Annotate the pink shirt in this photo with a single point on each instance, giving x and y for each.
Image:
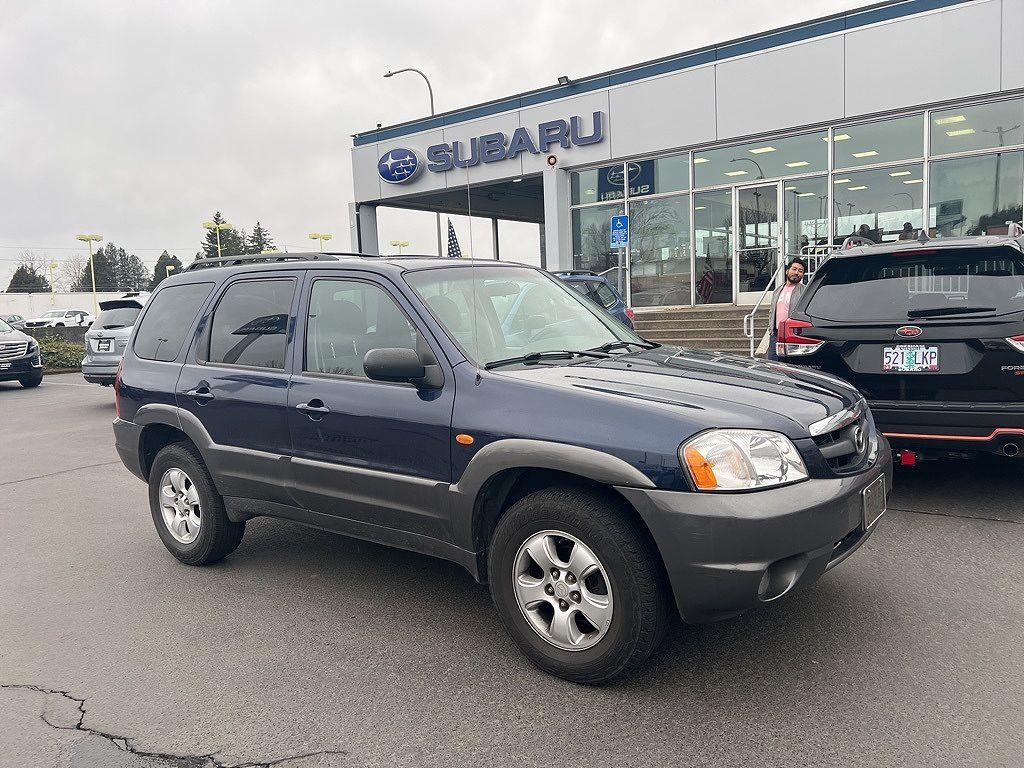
(782, 306)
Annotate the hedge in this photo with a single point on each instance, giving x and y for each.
(61, 354)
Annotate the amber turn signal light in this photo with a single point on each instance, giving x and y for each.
(464, 439)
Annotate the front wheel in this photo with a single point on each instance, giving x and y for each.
(578, 584)
(32, 380)
(187, 510)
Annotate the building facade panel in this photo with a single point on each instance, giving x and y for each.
(468, 135)
(1012, 47)
(584, 107)
(365, 181)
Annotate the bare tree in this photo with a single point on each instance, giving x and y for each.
(69, 271)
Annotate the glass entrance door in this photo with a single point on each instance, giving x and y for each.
(756, 213)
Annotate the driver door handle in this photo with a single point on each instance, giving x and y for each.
(200, 394)
(314, 408)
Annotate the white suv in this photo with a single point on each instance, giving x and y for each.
(61, 317)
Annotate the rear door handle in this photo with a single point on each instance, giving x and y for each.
(315, 409)
(200, 394)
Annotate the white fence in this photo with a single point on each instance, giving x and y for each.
(34, 304)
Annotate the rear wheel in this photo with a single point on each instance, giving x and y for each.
(32, 380)
(578, 584)
(187, 510)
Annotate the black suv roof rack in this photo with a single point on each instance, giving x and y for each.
(257, 258)
(574, 272)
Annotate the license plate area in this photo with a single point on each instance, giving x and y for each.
(4, 366)
(910, 358)
(103, 345)
(874, 501)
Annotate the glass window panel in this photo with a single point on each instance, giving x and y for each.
(597, 185)
(758, 236)
(764, 159)
(982, 126)
(712, 228)
(806, 214)
(591, 243)
(659, 252)
(976, 195)
(168, 319)
(250, 324)
(662, 174)
(878, 204)
(880, 142)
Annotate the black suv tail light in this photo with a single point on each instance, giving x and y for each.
(791, 343)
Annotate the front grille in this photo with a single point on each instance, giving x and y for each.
(845, 448)
(11, 350)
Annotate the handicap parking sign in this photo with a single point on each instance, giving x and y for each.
(620, 232)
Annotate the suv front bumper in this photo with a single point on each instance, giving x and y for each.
(22, 367)
(726, 553)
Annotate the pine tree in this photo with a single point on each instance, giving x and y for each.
(160, 271)
(231, 243)
(27, 280)
(103, 262)
(259, 241)
(130, 274)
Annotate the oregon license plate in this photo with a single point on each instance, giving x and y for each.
(910, 358)
(874, 501)
(103, 345)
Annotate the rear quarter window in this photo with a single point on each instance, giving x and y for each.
(604, 295)
(167, 320)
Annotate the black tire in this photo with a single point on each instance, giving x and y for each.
(31, 381)
(641, 609)
(218, 536)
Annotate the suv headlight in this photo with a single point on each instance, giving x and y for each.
(33, 347)
(741, 459)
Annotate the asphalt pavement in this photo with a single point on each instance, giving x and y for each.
(309, 649)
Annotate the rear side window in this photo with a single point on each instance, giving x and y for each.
(961, 283)
(118, 317)
(250, 324)
(604, 295)
(168, 319)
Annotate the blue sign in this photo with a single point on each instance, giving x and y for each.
(610, 180)
(620, 232)
(398, 166)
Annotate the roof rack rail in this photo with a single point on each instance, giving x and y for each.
(256, 258)
(574, 272)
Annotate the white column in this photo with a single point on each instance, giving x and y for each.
(362, 228)
(557, 230)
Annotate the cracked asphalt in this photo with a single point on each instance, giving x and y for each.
(307, 649)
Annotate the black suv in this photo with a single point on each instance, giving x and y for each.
(20, 359)
(931, 332)
(591, 477)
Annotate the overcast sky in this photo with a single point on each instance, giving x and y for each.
(138, 120)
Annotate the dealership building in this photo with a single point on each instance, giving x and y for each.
(883, 121)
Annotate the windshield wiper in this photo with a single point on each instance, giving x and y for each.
(554, 354)
(608, 347)
(937, 311)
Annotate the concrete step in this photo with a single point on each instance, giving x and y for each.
(733, 314)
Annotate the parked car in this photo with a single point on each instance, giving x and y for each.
(931, 332)
(591, 478)
(58, 318)
(20, 359)
(15, 321)
(597, 287)
(106, 340)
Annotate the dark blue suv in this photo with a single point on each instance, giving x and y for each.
(597, 288)
(386, 399)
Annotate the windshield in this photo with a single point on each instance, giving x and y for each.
(974, 283)
(118, 317)
(54, 313)
(519, 311)
(4, 327)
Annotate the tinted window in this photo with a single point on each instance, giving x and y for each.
(250, 324)
(968, 283)
(168, 319)
(119, 317)
(604, 295)
(348, 318)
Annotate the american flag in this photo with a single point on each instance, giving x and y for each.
(454, 252)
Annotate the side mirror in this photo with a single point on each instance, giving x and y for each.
(394, 364)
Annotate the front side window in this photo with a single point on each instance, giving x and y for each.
(507, 312)
(348, 318)
(250, 324)
(167, 320)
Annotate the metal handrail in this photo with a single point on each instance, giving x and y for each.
(748, 320)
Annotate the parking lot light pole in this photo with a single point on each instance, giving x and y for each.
(400, 244)
(90, 239)
(430, 92)
(53, 290)
(321, 236)
(212, 225)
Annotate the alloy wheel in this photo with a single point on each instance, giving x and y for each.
(179, 506)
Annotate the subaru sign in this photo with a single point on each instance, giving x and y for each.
(398, 166)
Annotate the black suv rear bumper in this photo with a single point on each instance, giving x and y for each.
(943, 426)
(727, 553)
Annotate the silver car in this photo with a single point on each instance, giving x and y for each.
(106, 340)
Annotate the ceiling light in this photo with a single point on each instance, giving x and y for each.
(699, 160)
(590, 191)
(762, 150)
(699, 208)
(797, 164)
(900, 173)
(869, 153)
(914, 181)
(843, 181)
(857, 189)
(837, 137)
(805, 194)
(961, 132)
(790, 189)
(516, 181)
(951, 119)
(735, 173)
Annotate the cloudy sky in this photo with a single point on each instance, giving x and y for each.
(138, 120)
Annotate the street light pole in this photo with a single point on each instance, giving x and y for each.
(321, 236)
(430, 92)
(400, 244)
(217, 227)
(90, 239)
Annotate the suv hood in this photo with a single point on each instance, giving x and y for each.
(729, 390)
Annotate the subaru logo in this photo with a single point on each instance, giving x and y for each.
(614, 175)
(908, 331)
(398, 166)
